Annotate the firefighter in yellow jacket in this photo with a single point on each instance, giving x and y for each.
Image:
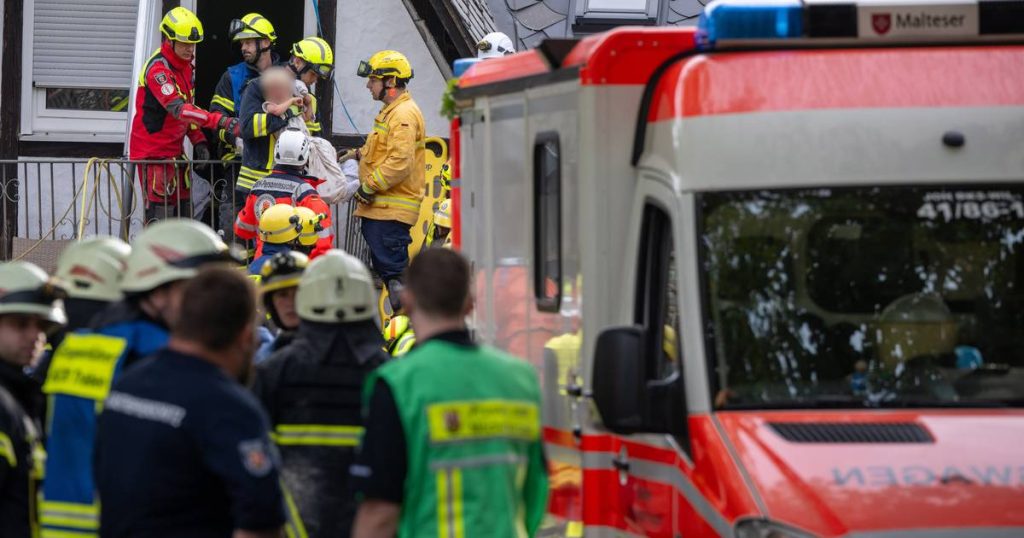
(392, 168)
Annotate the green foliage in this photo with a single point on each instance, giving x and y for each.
(448, 108)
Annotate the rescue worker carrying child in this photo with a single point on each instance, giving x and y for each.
(312, 59)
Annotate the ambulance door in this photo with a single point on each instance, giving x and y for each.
(637, 378)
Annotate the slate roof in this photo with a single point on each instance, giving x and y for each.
(684, 12)
(476, 17)
(528, 22)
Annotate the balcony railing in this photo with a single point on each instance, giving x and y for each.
(48, 202)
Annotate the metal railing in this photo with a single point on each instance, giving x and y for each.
(45, 202)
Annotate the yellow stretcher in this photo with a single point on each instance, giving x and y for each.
(433, 195)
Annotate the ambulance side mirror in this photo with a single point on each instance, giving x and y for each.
(620, 380)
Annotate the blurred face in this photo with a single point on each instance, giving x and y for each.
(20, 338)
(278, 92)
(284, 306)
(185, 51)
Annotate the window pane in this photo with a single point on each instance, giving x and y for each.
(895, 296)
(616, 5)
(547, 221)
(91, 99)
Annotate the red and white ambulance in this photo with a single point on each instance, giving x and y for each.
(771, 269)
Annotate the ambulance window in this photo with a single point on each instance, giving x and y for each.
(547, 221)
(657, 304)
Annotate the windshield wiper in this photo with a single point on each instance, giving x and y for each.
(822, 401)
(920, 403)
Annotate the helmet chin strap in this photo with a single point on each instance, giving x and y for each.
(390, 91)
(259, 54)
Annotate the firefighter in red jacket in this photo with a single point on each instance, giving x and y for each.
(165, 114)
(286, 184)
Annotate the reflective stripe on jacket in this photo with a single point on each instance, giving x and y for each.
(471, 419)
(68, 493)
(311, 390)
(393, 163)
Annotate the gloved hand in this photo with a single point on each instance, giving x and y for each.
(364, 195)
(201, 151)
(231, 125)
(348, 155)
(239, 147)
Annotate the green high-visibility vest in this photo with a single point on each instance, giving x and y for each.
(471, 417)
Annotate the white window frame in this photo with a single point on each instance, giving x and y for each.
(41, 123)
(56, 125)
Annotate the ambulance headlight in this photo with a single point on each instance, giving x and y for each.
(764, 528)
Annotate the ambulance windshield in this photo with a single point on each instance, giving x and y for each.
(865, 297)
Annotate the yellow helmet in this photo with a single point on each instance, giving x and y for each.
(443, 215)
(282, 270)
(311, 226)
(399, 336)
(180, 24)
(386, 63)
(396, 327)
(317, 54)
(252, 26)
(279, 224)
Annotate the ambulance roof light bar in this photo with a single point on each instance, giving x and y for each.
(746, 22)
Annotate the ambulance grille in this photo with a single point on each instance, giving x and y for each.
(844, 432)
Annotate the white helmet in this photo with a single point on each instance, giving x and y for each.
(92, 268)
(495, 45)
(26, 289)
(292, 148)
(336, 288)
(172, 250)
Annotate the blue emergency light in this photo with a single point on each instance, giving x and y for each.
(724, 20)
(462, 64)
(747, 21)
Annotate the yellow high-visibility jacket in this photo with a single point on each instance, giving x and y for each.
(393, 164)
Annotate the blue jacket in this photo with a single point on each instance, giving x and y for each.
(69, 503)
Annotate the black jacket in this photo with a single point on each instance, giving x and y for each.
(19, 435)
(312, 390)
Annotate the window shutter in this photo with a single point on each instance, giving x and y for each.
(86, 44)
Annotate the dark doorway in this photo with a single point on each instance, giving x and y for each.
(217, 52)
